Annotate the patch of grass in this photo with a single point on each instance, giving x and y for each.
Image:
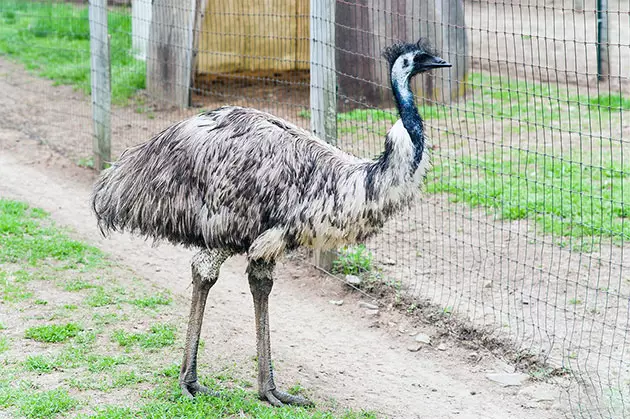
(77, 285)
(53, 333)
(99, 363)
(40, 363)
(11, 289)
(106, 318)
(40, 302)
(46, 404)
(53, 40)
(611, 102)
(25, 239)
(4, 344)
(152, 301)
(158, 336)
(126, 378)
(168, 401)
(100, 298)
(567, 198)
(354, 260)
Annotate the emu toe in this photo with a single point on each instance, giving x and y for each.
(279, 398)
(190, 390)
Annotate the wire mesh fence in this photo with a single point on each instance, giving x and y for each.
(523, 227)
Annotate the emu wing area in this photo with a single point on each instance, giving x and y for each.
(222, 178)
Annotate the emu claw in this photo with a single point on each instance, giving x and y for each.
(280, 398)
(190, 390)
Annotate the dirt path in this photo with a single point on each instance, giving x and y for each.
(335, 352)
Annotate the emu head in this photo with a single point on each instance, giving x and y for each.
(407, 59)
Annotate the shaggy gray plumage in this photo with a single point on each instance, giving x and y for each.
(237, 180)
(244, 180)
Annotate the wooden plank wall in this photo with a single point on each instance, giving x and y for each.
(254, 35)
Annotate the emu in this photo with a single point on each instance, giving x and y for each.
(237, 180)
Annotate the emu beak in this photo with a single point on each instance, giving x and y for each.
(436, 62)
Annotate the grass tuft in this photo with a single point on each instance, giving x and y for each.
(354, 260)
(152, 301)
(25, 239)
(46, 404)
(159, 335)
(53, 333)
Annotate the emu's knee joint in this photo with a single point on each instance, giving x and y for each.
(206, 265)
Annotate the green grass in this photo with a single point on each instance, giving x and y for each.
(152, 301)
(566, 198)
(53, 333)
(4, 344)
(26, 236)
(169, 402)
(40, 363)
(100, 298)
(158, 336)
(46, 404)
(355, 260)
(77, 285)
(53, 40)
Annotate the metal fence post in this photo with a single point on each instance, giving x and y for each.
(323, 86)
(603, 59)
(101, 83)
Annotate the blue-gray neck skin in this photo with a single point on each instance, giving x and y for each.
(413, 124)
(410, 117)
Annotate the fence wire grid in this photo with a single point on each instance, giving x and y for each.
(524, 224)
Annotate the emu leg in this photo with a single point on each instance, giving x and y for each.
(260, 284)
(205, 272)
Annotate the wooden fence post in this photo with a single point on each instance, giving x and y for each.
(101, 83)
(170, 51)
(323, 87)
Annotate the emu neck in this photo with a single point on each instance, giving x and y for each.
(410, 117)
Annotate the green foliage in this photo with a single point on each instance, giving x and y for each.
(353, 260)
(100, 298)
(40, 363)
(24, 238)
(53, 333)
(46, 404)
(11, 289)
(4, 344)
(53, 40)
(152, 301)
(97, 363)
(159, 335)
(567, 198)
(611, 102)
(77, 285)
(169, 402)
(33, 404)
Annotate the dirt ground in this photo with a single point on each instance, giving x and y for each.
(345, 352)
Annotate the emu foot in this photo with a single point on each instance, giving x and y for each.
(280, 398)
(190, 390)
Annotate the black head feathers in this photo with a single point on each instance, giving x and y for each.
(394, 51)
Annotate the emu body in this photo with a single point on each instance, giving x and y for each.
(238, 180)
